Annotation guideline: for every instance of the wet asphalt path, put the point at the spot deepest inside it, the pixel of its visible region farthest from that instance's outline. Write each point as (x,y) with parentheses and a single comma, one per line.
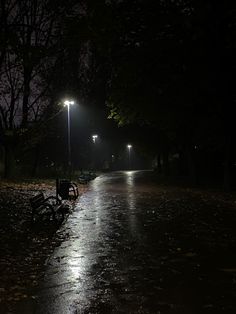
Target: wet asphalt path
(107,263)
(115,258)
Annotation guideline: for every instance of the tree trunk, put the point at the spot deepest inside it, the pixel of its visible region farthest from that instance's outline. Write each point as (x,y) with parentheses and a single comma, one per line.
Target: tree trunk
(191,167)
(25,105)
(8,160)
(159,166)
(227,165)
(181,171)
(35,162)
(166,163)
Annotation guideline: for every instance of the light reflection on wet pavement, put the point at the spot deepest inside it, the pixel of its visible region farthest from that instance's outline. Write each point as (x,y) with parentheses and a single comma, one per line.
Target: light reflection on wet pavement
(114,257)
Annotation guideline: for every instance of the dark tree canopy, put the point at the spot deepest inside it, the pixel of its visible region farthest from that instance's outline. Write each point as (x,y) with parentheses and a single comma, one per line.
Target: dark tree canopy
(165,66)
(170,65)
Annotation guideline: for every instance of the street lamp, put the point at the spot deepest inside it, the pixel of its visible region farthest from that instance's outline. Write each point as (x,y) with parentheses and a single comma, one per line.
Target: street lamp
(94,151)
(68,103)
(94,137)
(129,148)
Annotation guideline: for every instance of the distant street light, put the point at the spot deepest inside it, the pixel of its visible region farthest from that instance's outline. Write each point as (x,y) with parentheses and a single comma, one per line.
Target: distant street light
(129,149)
(67,104)
(94,149)
(94,137)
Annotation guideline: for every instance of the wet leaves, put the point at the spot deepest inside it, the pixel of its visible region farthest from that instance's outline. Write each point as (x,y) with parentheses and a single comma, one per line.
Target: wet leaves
(173,243)
(185,253)
(24,247)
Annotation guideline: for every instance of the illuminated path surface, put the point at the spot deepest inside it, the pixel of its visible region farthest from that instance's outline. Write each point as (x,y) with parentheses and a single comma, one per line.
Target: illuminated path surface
(125,253)
(103,266)
(96,268)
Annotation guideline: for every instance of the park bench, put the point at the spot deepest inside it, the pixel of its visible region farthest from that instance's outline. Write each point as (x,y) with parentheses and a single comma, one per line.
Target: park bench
(66,189)
(86,177)
(47,208)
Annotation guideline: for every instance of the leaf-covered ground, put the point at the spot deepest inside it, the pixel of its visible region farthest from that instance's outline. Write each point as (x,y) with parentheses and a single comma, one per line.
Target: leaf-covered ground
(194,230)
(24,246)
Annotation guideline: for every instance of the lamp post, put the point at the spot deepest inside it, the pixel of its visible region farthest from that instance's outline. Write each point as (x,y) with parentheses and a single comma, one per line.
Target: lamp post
(67,104)
(129,149)
(112,161)
(94,138)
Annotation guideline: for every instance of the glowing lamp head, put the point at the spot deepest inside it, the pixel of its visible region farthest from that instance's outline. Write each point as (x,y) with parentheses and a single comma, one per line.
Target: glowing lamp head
(94,137)
(68,103)
(129,146)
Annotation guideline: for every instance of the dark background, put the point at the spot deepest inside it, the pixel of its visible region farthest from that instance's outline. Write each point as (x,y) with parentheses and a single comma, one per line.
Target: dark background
(156,74)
